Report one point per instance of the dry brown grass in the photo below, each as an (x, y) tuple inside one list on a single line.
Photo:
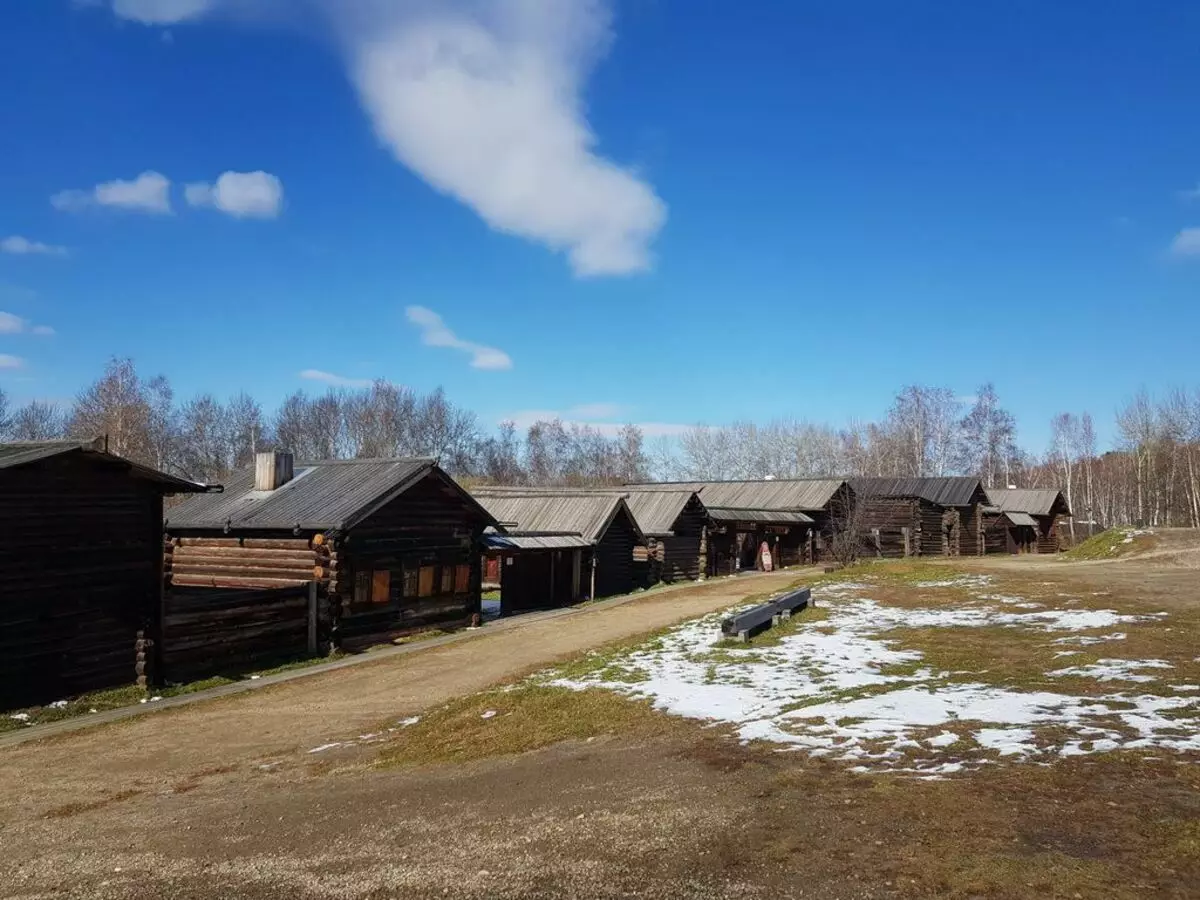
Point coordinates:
[(523, 718)]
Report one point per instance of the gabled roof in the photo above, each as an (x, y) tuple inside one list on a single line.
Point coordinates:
[(806, 494), (654, 510), (1021, 518), (322, 496), (772, 516), (22, 453), (495, 541), (944, 491), (548, 511), (1035, 501)]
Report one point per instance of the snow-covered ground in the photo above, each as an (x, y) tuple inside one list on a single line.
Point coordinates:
[(842, 687)]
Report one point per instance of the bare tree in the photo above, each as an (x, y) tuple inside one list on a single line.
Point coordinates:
[(118, 407), (988, 438), (37, 421)]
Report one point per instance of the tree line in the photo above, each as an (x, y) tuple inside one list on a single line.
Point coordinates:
[(1152, 476)]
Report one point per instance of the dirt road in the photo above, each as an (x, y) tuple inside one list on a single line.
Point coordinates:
[(282, 723)]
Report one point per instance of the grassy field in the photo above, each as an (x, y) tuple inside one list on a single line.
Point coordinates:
[(999, 798)]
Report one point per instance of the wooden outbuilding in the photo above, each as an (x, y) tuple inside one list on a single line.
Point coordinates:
[(295, 557), (82, 555), (558, 546), (933, 516), (1026, 520), (795, 520)]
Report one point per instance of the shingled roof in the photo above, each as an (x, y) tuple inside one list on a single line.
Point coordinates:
[(795, 494), (655, 510), (22, 453), (548, 511), (1035, 501), (944, 491), (321, 496)]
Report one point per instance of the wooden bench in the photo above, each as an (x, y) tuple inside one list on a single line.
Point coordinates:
[(760, 618)]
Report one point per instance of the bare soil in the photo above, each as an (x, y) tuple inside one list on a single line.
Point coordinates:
[(224, 799)]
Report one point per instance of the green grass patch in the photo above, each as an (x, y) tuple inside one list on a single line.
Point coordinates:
[(1110, 545), (518, 720)]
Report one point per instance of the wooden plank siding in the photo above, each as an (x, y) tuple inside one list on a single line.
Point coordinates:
[(682, 553), (613, 556), (82, 559), (427, 540)]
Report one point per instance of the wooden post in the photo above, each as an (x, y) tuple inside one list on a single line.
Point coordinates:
[(312, 618)]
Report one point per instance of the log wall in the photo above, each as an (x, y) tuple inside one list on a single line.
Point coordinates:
[(614, 558), (682, 552), (81, 556), (215, 631), (428, 527)]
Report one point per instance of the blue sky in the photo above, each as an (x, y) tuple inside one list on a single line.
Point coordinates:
[(649, 210)]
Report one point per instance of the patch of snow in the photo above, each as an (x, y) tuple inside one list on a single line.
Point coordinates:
[(59, 704), (1067, 653), (20, 717), (1008, 741), (487, 714), (1085, 640), (945, 739), (961, 581), (255, 677), (325, 747), (825, 689), (1185, 687), (1115, 670), (411, 720), (155, 699)]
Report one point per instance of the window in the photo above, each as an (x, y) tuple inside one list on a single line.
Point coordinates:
[(447, 580), (372, 587), (381, 586), (425, 581), (411, 586), (462, 578)]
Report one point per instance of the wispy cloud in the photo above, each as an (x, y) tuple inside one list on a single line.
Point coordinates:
[(335, 380), (243, 195), (434, 333), (22, 246), (150, 193), (11, 363), (161, 12), (1186, 244), (484, 102), (13, 324), (1190, 195), (606, 418)]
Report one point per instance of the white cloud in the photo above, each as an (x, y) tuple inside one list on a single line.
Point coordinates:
[(13, 324), (243, 195), (335, 380), (161, 12), (434, 333), (1186, 243), (22, 246), (150, 192), (484, 102), (603, 417), (11, 362)]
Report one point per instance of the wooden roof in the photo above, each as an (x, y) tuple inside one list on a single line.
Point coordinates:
[(322, 496), (795, 494), (1035, 501), (548, 511), (943, 491), (15, 454)]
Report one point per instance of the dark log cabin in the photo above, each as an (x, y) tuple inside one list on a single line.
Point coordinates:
[(384, 547), (560, 545), (935, 516), (676, 524), (1023, 520), (797, 519), (83, 556)]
